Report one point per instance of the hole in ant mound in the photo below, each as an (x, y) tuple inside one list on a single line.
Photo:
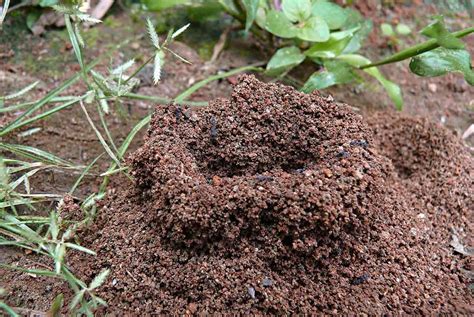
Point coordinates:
[(287, 241), (224, 168)]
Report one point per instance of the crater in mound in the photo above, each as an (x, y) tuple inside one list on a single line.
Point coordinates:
[(268, 159)]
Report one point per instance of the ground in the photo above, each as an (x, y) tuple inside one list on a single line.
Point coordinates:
[(25, 58)]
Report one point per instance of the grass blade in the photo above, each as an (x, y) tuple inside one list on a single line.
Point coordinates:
[(101, 138), (35, 154), (83, 174)]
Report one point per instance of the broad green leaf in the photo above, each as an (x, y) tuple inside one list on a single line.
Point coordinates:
[(333, 47), (337, 72), (339, 35), (441, 61), (32, 18), (297, 10), (393, 90), (365, 27), (334, 15), (47, 3), (314, 30), (403, 29), (251, 7), (437, 30), (284, 59), (261, 17), (387, 30), (228, 6), (279, 25)]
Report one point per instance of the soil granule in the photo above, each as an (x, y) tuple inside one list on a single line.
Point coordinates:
[(279, 202)]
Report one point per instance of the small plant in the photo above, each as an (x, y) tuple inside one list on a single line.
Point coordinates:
[(329, 35)]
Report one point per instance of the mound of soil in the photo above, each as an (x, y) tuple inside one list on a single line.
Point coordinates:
[(279, 202)]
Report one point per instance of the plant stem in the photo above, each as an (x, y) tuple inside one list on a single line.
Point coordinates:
[(139, 69), (416, 50)]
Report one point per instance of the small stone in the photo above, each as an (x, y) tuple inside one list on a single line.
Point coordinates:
[(192, 307), (432, 87), (361, 279), (251, 292), (327, 172), (216, 180), (267, 282)]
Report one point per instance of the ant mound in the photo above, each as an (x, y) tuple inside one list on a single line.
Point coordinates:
[(280, 202)]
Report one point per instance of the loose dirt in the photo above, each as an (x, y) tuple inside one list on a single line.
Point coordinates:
[(279, 202)]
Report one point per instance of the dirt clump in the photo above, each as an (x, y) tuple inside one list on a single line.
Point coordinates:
[(280, 202)]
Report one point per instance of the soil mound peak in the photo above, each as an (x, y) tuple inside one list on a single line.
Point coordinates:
[(271, 161)]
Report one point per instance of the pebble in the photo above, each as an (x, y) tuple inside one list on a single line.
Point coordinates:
[(432, 87), (251, 292)]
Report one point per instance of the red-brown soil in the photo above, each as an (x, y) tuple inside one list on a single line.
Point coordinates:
[(279, 202)]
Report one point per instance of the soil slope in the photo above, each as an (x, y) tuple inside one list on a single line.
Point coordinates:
[(279, 202)]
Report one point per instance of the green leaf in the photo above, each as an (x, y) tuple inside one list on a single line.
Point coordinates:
[(284, 59), (34, 154), (154, 5), (53, 225), (337, 72), (79, 248), (336, 44), (48, 3), (334, 15), (441, 61), (32, 18), (8, 310), (278, 24), (365, 27), (393, 90), (76, 299), (99, 279), (314, 30), (251, 7), (55, 310), (437, 30), (403, 29), (228, 6), (387, 30), (297, 10)]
